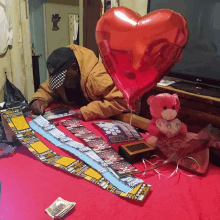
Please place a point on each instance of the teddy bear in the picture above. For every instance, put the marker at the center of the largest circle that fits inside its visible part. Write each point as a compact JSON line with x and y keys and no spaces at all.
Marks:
{"x":164,"y":108}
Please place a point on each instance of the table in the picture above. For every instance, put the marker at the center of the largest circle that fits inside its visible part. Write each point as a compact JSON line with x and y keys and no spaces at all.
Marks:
{"x":29,"y":187}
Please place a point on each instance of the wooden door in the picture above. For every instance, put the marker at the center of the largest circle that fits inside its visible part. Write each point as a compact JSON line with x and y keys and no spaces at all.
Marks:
{"x":92,"y":9}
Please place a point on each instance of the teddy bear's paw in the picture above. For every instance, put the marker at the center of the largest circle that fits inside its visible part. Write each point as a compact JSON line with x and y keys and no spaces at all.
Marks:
{"x":152,"y":141}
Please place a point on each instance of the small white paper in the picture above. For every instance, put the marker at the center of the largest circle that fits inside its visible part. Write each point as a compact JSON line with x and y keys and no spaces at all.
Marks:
{"x":165,"y":82}
{"x":2,"y":104}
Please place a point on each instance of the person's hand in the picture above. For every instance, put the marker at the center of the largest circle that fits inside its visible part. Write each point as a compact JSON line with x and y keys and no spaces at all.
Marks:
{"x":38,"y":107}
{"x":78,"y":115}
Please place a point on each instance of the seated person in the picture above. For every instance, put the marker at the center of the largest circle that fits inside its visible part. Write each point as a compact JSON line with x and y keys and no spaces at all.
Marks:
{"x":77,"y":77}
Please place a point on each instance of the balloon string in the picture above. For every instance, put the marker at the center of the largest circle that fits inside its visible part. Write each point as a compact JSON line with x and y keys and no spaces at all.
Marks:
{"x":131,"y":117}
{"x":191,"y":159}
{"x":137,"y":172}
{"x":154,"y":167}
{"x":174,"y":172}
{"x":152,"y":164}
{"x":177,"y":167}
{"x":130,"y":122}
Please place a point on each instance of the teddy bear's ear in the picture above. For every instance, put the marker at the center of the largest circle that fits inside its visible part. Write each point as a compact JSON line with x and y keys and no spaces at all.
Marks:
{"x":175,"y":96}
{"x":176,"y":100}
{"x":150,"y":99}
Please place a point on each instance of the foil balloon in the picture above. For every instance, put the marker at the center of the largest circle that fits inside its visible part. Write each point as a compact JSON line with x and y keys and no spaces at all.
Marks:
{"x":138,"y":51}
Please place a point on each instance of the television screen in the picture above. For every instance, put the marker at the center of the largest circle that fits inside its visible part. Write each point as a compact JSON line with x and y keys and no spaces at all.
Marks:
{"x":201,"y":57}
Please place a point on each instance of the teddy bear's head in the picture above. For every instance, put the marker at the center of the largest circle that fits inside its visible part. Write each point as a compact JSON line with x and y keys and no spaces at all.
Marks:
{"x":164,"y":106}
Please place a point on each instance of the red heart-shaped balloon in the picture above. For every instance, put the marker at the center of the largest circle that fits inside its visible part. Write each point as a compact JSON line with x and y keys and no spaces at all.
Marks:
{"x":138,"y":51}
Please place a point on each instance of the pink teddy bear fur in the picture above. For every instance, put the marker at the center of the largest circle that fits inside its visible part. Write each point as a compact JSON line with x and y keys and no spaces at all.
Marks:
{"x":163,"y":107}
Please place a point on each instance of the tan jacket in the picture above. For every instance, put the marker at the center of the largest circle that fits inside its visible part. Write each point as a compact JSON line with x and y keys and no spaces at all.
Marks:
{"x":97,"y":86}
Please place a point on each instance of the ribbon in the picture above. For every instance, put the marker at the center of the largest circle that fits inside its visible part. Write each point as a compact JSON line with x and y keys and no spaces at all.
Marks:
{"x":164,"y":162}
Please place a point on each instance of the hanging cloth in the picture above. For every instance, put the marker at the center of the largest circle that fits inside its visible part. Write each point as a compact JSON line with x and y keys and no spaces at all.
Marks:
{"x":5,"y":26}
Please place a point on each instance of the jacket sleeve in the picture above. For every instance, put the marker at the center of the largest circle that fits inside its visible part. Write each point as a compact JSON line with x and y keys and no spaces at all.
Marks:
{"x":44,"y":93}
{"x":108,"y":100}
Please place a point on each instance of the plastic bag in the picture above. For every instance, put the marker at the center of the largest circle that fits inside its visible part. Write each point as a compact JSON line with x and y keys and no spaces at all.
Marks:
{"x":7,"y":147}
{"x":13,"y":97}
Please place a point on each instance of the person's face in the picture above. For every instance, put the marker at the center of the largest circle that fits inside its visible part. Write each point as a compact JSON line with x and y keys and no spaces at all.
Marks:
{"x":71,"y":80}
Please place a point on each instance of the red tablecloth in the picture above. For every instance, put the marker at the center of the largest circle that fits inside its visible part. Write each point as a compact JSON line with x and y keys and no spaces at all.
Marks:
{"x":30,"y":186}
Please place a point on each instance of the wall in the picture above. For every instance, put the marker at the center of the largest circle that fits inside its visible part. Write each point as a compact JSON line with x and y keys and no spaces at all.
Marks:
{"x":59,"y":38}
{"x":40,"y":19}
{"x":17,"y":60}
{"x":73,"y":3}
{"x":65,"y":2}
{"x":139,"y":6}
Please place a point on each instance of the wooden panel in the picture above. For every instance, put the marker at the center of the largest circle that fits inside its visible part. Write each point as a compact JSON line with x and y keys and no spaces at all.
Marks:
{"x":91,"y":15}
{"x":25,"y":51}
{"x":207,"y":99}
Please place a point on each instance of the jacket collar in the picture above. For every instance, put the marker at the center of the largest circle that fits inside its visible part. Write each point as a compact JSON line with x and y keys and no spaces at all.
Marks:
{"x":87,"y":60}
